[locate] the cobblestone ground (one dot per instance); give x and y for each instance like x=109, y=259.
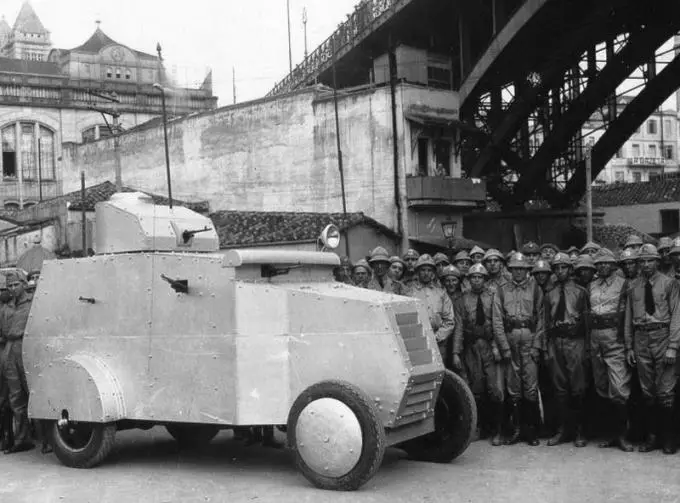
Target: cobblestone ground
x=147, y=467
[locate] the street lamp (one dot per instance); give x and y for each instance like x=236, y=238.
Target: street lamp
x=165, y=137
x=449, y=230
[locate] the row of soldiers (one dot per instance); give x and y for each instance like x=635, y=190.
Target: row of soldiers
x=583, y=314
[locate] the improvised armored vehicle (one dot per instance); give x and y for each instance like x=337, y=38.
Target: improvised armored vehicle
x=160, y=328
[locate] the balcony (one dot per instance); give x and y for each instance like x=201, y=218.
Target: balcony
x=444, y=192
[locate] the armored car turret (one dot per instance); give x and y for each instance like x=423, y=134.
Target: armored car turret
x=160, y=327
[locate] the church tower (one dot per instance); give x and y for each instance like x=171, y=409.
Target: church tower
x=5, y=30
x=28, y=38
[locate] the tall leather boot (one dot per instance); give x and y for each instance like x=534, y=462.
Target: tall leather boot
x=482, y=417
x=515, y=424
x=578, y=410
x=622, y=415
x=497, y=421
x=532, y=415
x=668, y=431
x=613, y=428
x=562, y=434
x=650, y=427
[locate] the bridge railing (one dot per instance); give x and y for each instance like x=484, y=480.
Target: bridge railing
x=358, y=23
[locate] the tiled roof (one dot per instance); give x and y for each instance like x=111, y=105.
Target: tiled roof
x=241, y=228
x=660, y=190
x=98, y=41
x=10, y=65
x=28, y=21
x=613, y=236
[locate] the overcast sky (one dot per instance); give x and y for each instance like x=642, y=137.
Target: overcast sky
x=249, y=35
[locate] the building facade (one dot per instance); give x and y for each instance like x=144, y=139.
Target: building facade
x=55, y=97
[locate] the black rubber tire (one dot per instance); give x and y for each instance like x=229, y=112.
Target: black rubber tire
x=455, y=424
x=373, y=433
x=96, y=448
x=192, y=436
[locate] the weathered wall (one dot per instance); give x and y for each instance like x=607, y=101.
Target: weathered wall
x=644, y=217
x=13, y=246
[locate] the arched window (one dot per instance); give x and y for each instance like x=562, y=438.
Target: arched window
x=128, y=74
x=11, y=206
x=117, y=73
x=109, y=73
x=29, y=146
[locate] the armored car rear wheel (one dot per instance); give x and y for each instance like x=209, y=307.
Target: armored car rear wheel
x=82, y=445
x=336, y=436
x=192, y=435
x=455, y=420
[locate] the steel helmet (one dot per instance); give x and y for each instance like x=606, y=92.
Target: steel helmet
x=379, y=254
x=584, y=262
x=363, y=264
x=604, y=256
x=633, y=240
x=562, y=258
x=396, y=258
x=476, y=250
x=440, y=258
x=493, y=253
x=509, y=255
x=462, y=255
x=424, y=260
x=450, y=270
x=590, y=245
x=571, y=249
x=665, y=243
x=519, y=261
x=545, y=246
x=648, y=251
x=627, y=255
x=478, y=269
x=541, y=266
x=411, y=253
x=676, y=246
x=530, y=248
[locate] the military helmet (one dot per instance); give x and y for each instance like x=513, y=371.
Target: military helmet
x=551, y=246
x=424, y=260
x=478, y=269
x=627, y=255
x=461, y=255
x=571, y=249
x=440, y=258
x=509, y=255
x=379, y=254
x=676, y=246
x=411, y=253
x=16, y=275
x=590, y=245
x=562, y=259
x=493, y=253
x=530, y=248
x=648, y=251
x=604, y=256
x=519, y=261
x=450, y=270
x=665, y=243
x=362, y=263
x=397, y=258
x=541, y=266
x=476, y=250
x=584, y=262
x=633, y=240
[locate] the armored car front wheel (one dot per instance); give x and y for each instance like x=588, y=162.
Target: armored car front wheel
x=336, y=436
x=82, y=445
x=455, y=420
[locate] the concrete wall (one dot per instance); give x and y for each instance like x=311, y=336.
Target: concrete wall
x=13, y=246
x=644, y=217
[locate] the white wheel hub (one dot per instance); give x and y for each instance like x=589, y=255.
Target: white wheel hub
x=328, y=437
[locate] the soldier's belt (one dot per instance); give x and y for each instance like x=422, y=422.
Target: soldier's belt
x=603, y=322
x=566, y=331
x=519, y=324
x=478, y=332
x=651, y=327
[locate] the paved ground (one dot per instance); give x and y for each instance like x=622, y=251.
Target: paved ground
x=146, y=467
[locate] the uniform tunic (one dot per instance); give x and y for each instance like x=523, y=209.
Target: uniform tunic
x=650, y=335
x=611, y=373
x=475, y=344
x=439, y=309
x=566, y=339
x=518, y=324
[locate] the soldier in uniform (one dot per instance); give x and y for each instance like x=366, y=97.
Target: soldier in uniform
x=629, y=264
x=584, y=270
x=361, y=273
x=441, y=261
x=634, y=242
x=463, y=262
x=343, y=273
x=652, y=331
x=450, y=280
x=379, y=261
x=566, y=309
x=477, y=255
x=12, y=326
x=518, y=322
x=675, y=258
x=436, y=300
x=542, y=274
x=590, y=249
x=410, y=259
x=611, y=373
x=397, y=268
x=531, y=251
x=665, y=264
x=6, y=426
x=493, y=262
x=573, y=253
x=548, y=251
x=476, y=355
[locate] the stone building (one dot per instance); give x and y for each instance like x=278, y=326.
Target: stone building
x=55, y=97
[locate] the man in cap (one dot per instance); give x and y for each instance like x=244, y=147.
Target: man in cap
x=476, y=355
x=343, y=273
x=566, y=308
x=611, y=373
x=493, y=262
x=531, y=251
x=634, y=242
x=652, y=330
x=477, y=255
x=584, y=270
x=590, y=249
x=629, y=263
x=666, y=263
x=436, y=300
x=518, y=322
x=441, y=261
x=381, y=281
x=361, y=273
x=12, y=326
x=463, y=262
x=542, y=274
x=410, y=259
x=397, y=268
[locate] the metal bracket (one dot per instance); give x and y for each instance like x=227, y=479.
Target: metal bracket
x=89, y=300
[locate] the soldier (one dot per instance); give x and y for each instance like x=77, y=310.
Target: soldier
x=666, y=263
x=361, y=274
x=518, y=322
x=436, y=300
x=590, y=248
x=410, y=259
x=381, y=281
x=451, y=282
x=493, y=262
x=531, y=251
x=634, y=242
x=675, y=258
x=629, y=264
x=441, y=261
x=397, y=268
x=12, y=326
x=573, y=253
x=477, y=255
x=475, y=353
x=566, y=308
x=652, y=331
x=6, y=427
x=463, y=262
x=584, y=270
x=611, y=373
x=542, y=274
x=343, y=273
x=548, y=251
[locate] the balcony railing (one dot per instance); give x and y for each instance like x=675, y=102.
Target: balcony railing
x=438, y=191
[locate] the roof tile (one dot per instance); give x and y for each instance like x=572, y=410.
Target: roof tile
x=662, y=189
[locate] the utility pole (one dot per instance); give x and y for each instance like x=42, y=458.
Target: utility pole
x=83, y=213
x=290, y=47
x=589, y=195
x=165, y=128
x=113, y=129
x=337, y=141
x=304, y=24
